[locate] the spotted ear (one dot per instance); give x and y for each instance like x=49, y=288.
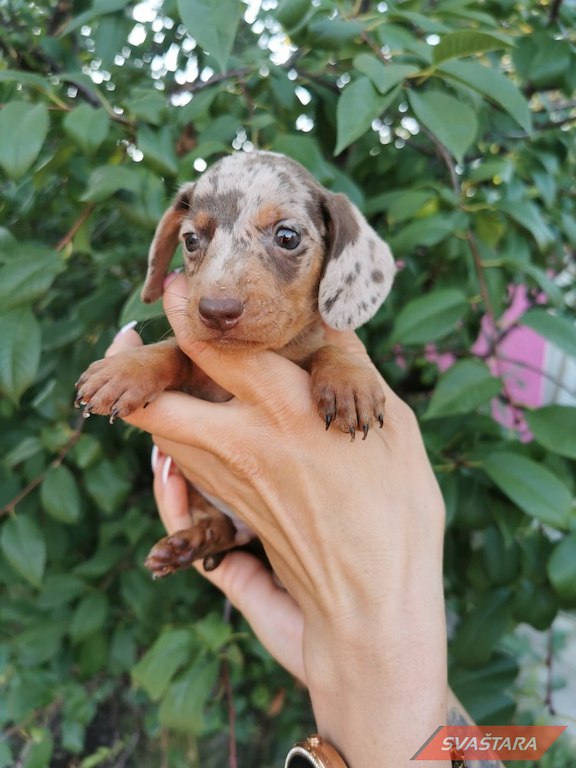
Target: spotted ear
x=164, y=244
x=358, y=269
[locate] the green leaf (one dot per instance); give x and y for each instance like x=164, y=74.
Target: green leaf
x=539, y=275
x=562, y=568
x=291, y=12
x=213, y=631
x=383, y=76
x=26, y=78
x=109, y=179
x=359, y=104
x=148, y=107
x=135, y=309
x=332, y=34
x=41, y=747
x=28, y=276
x=160, y=663
x=99, y=8
x=7, y=759
x=529, y=216
x=554, y=427
x=483, y=690
x=89, y=617
x=23, y=129
x=60, y=496
x=20, y=348
x=532, y=487
x=493, y=84
x=158, y=149
x=87, y=126
x=561, y=331
x=451, y=121
x=428, y=231
x=59, y=589
x=24, y=547
x=468, y=42
x=462, y=388
x=107, y=484
x=102, y=562
x=212, y=25
x=183, y=705
x=481, y=629
x=40, y=642
x=404, y=204
x=429, y=318
x=535, y=604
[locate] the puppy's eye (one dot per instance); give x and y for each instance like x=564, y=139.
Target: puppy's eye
x=191, y=242
x=287, y=238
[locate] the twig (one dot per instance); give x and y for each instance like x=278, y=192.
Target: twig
x=199, y=85
x=232, y=751
x=69, y=236
x=33, y=484
x=555, y=11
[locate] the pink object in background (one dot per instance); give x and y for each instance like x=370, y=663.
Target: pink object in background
x=520, y=362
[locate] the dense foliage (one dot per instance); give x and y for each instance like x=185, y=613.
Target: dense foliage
x=450, y=123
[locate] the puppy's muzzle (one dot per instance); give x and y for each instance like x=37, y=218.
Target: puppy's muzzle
x=221, y=313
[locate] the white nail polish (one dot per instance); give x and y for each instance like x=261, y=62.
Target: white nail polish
x=154, y=457
x=127, y=327
x=166, y=470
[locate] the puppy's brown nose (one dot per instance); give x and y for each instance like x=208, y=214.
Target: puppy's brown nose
x=222, y=313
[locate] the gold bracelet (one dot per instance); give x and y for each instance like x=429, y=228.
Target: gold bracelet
x=315, y=752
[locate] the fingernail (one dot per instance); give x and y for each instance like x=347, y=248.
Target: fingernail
x=127, y=327
x=166, y=470
x=154, y=457
x=169, y=278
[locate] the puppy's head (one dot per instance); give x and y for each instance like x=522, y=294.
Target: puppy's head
x=265, y=249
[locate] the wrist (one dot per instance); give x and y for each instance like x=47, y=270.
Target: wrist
x=378, y=692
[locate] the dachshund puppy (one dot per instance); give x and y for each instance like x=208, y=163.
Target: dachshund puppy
x=269, y=254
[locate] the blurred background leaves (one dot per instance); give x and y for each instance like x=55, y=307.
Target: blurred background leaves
x=451, y=124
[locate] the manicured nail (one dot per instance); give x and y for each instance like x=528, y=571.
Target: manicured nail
x=166, y=470
x=154, y=457
x=127, y=327
x=172, y=276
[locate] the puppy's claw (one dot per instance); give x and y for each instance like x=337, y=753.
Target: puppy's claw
x=328, y=420
x=352, y=432
x=365, y=428
x=380, y=418
x=213, y=561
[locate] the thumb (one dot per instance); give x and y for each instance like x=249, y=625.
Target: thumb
x=252, y=375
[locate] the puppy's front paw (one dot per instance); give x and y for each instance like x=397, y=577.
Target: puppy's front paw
x=347, y=394
x=115, y=387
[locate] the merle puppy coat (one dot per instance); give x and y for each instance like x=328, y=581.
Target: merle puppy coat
x=269, y=255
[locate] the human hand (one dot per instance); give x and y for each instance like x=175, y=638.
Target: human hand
x=354, y=532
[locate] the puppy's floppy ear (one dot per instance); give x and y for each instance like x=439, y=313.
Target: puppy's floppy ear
x=164, y=244
x=358, y=270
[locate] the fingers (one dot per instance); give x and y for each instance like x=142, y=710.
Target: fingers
x=249, y=374
x=246, y=582
x=170, y=492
